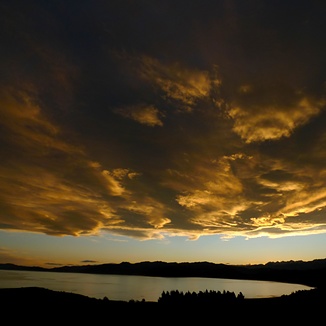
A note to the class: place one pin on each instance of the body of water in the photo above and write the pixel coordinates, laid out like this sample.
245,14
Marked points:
130,287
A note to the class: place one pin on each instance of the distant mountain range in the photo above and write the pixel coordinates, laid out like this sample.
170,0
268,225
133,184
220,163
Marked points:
311,273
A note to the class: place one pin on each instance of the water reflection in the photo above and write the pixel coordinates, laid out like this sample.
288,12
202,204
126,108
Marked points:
127,287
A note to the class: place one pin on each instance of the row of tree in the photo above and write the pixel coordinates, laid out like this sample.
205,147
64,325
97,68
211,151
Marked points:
179,297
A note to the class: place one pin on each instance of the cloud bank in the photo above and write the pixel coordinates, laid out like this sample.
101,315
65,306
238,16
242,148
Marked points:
217,127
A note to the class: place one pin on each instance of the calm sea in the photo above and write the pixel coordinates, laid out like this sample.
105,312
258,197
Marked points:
125,287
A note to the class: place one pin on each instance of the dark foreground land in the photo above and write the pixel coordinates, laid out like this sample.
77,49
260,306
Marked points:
40,306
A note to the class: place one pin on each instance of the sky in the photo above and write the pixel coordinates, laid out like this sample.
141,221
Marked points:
177,131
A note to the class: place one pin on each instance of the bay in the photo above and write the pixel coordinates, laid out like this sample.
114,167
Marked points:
131,287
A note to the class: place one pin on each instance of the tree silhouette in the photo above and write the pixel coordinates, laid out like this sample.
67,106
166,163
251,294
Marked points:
206,297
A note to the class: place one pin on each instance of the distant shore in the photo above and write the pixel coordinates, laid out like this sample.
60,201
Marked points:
311,273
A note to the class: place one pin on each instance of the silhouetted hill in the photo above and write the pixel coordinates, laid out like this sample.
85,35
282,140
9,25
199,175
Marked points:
41,306
311,273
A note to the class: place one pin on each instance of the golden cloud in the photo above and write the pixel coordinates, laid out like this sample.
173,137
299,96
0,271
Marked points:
256,124
183,85
144,114
250,196
53,187
27,127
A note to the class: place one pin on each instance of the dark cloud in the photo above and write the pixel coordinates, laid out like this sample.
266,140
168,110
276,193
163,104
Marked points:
150,118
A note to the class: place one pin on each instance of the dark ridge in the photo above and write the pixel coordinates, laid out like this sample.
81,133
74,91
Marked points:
311,273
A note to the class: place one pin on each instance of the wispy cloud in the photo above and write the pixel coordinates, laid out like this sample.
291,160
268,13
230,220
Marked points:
257,120
178,83
144,114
